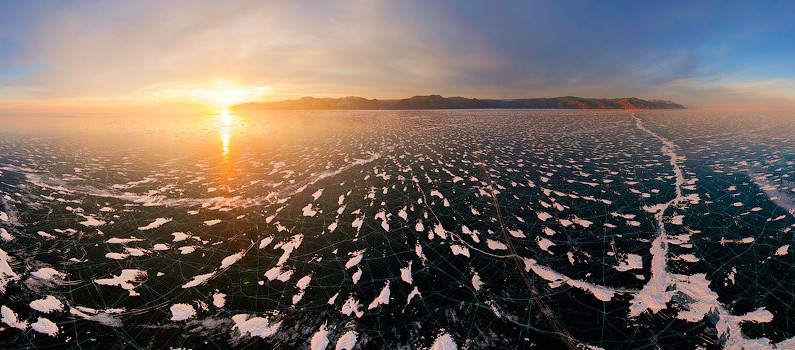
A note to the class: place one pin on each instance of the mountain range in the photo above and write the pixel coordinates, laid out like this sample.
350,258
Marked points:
439,102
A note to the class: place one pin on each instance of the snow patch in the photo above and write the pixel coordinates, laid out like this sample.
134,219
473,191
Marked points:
47,305
347,341
45,326
181,312
444,342
155,224
256,326
128,279
381,299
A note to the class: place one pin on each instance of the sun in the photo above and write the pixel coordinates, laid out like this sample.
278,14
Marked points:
228,96
220,96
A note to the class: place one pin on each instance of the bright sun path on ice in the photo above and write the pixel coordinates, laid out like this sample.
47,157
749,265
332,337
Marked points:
221,97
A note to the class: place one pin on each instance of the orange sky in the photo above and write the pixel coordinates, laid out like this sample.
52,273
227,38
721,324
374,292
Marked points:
92,57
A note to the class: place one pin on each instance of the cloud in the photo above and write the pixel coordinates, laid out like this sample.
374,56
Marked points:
306,46
382,49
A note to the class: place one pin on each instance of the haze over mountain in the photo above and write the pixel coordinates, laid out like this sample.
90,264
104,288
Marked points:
439,102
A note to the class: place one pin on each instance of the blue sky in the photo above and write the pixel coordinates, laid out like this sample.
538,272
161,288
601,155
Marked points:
701,53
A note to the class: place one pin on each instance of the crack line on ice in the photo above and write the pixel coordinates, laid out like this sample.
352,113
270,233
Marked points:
653,295
700,301
300,187
564,334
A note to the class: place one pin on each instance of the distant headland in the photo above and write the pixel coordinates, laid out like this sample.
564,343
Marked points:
439,102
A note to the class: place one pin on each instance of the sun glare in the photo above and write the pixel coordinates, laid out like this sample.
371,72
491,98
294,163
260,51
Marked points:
225,118
219,96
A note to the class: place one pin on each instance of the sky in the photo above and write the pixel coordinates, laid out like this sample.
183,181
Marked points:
114,55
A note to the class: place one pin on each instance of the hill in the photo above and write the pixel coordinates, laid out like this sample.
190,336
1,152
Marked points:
439,102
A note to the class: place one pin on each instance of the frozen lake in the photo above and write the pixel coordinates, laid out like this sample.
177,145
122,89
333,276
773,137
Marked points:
382,229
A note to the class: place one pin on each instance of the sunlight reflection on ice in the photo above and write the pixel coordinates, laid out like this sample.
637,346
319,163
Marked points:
226,124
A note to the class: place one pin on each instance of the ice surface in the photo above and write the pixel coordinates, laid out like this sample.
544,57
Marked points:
421,229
